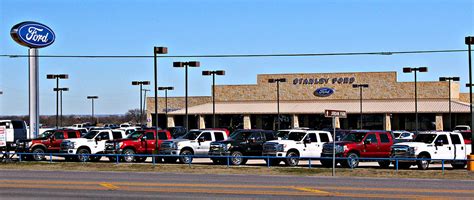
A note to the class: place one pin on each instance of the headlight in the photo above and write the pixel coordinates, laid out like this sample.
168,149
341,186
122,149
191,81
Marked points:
280,147
341,148
227,147
413,150
118,145
174,146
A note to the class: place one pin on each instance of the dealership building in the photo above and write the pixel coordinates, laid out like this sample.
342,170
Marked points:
387,104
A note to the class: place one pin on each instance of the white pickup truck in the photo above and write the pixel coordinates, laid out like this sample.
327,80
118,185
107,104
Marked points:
433,147
91,143
195,142
295,144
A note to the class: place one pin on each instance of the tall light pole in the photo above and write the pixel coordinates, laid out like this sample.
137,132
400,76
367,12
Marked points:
92,98
470,41
141,84
157,50
166,101
213,73
57,77
409,70
186,65
277,81
144,102
61,102
449,79
360,86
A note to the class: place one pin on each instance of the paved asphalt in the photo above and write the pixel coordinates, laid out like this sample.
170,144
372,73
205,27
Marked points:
17,184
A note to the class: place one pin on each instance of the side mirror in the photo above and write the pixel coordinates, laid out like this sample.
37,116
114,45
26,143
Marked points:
98,138
439,143
367,141
143,139
201,139
307,140
251,140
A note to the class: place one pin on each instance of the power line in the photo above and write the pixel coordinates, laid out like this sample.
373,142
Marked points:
385,53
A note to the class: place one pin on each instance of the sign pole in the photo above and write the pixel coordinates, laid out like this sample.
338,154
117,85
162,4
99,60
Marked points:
33,92
334,146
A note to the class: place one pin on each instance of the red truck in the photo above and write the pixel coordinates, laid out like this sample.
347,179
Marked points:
138,142
47,142
359,144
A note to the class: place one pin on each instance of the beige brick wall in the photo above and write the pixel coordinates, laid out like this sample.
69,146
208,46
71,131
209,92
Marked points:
382,85
174,103
464,97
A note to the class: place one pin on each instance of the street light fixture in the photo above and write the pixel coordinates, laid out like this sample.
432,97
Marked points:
360,86
166,101
213,73
157,50
414,70
186,65
277,81
449,79
141,84
92,98
61,102
57,77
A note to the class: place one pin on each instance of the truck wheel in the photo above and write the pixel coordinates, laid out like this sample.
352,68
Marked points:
129,155
352,161
384,164
83,155
459,165
38,154
327,163
292,159
186,156
236,158
423,164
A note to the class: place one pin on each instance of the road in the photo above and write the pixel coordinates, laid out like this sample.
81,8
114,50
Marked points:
16,184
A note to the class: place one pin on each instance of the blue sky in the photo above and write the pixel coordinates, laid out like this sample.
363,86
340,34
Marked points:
86,27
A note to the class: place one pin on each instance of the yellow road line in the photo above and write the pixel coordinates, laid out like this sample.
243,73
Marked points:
109,186
310,190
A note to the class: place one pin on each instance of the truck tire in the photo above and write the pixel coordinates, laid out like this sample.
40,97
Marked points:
38,154
459,165
352,161
293,158
129,155
327,163
83,155
423,164
186,156
236,158
384,164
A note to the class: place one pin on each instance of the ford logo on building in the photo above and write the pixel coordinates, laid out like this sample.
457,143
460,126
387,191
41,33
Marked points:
323,92
32,34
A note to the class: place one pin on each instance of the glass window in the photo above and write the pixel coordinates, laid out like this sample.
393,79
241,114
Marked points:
443,138
150,136
59,135
372,138
384,138
117,134
206,136
354,137
312,137
257,136
71,134
219,136
269,136
104,136
162,136
455,139
324,137
296,136
18,124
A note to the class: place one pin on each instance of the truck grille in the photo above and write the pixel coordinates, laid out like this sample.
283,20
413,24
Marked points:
270,148
166,146
216,147
401,151
110,146
328,148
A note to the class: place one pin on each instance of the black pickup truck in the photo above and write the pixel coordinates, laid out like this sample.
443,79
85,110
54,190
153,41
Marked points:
244,142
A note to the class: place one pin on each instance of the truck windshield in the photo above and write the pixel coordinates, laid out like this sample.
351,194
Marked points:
91,134
191,135
296,136
135,135
425,138
241,135
46,134
283,134
354,137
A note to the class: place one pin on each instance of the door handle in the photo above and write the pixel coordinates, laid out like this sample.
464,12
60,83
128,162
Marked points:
449,148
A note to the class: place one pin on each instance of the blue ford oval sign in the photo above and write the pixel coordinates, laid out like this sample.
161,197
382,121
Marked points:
32,34
323,92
